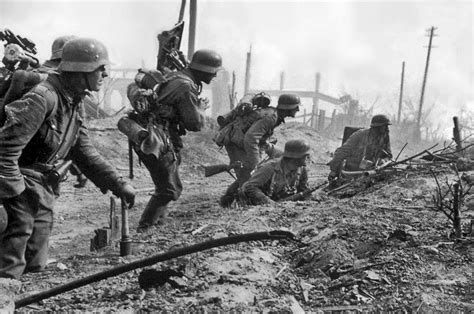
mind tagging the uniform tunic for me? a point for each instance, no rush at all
(361, 144)
(272, 182)
(257, 135)
(41, 129)
(178, 111)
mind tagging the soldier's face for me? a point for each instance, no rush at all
(207, 78)
(292, 112)
(381, 130)
(95, 79)
(302, 162)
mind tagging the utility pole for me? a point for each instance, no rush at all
(418, 121)
(282, 80)
(247, 71)
(192, 27)
(400, 100)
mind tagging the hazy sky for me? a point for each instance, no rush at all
(357, 46)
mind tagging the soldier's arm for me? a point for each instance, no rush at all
(93, 165)
(388, 148)
(188, 108)
(23, 118)
(303, 184)
(348, 148)
(252, 140)
(253, 188)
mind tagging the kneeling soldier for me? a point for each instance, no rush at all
(279, 178)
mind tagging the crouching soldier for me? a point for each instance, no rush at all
(42, 135)
(254, 135)
(364, 149)
(279, 178)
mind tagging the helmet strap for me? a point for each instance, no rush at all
(86, 78)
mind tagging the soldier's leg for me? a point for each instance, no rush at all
(38, 245)
(168, 187)
(235, 154)
(13, 243)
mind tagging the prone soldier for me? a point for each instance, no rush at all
(42, 134)
(279, 178)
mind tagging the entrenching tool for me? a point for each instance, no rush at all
(125, 242)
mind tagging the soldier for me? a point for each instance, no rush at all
(57, 52)
(254, 138)
(364, 149)
(279, 178)
(42, 134)
(177, 109)
(51, 65)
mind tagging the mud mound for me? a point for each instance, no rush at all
(321, 147)
(199, 148)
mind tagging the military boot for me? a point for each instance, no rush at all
(228, 198)
(155, 213)
(226, 201)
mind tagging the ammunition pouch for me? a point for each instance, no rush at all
(51, 174)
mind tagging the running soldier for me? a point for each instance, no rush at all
(176, 109)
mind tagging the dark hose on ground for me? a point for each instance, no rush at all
(247, 237)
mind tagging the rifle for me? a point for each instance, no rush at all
(18, 49)
(215, 169)
(302, 195)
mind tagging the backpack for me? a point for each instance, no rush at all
(238, 122)
(19, 84)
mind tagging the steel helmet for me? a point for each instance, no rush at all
(83, 55)
(58, 44)
(379, 120)
(205, 60)
(288, 101)
(296, 149)
(261, 100)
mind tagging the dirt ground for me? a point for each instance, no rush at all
(382, 249)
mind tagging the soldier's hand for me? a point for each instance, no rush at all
(204, 104)
(332, 176)
(127, 192)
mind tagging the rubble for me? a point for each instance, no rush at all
(382, 249)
